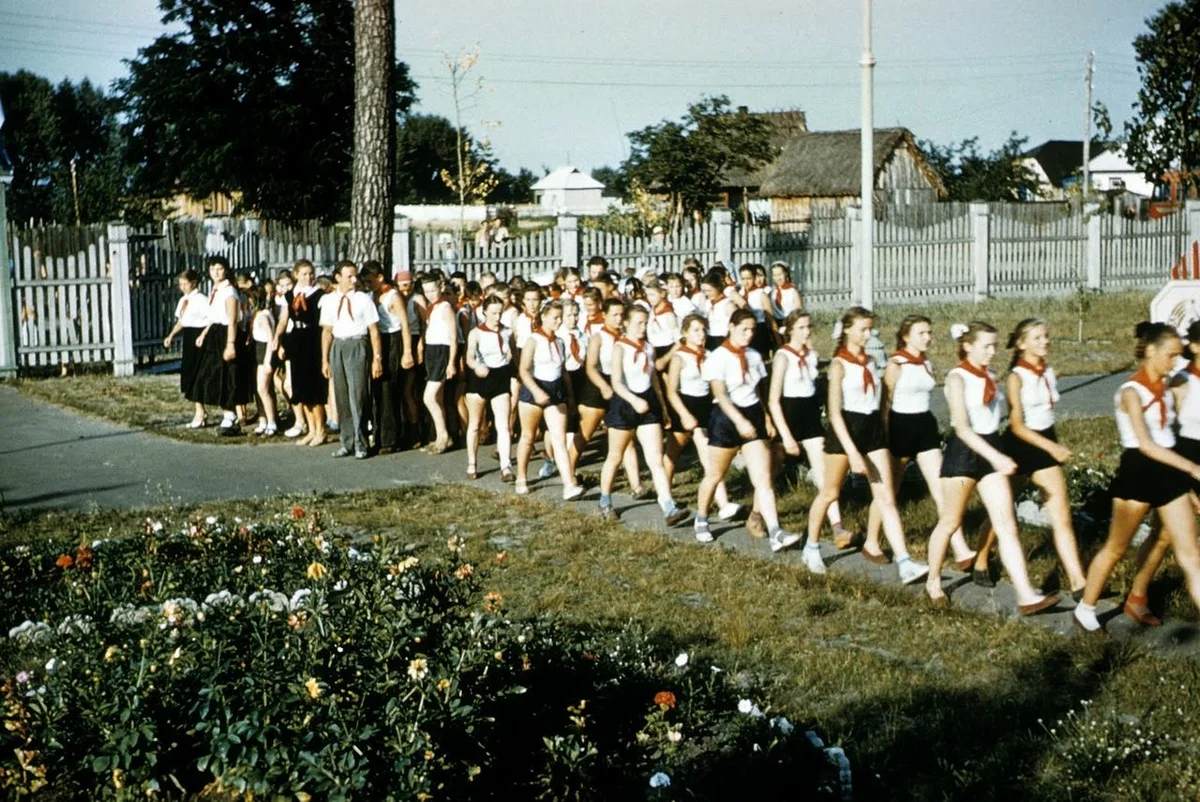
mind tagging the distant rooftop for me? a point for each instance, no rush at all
(568, 178)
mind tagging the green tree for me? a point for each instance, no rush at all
(688, 158)
(250, 96)
(971, 175)
(1163, 133)
(425, 145)
(46, 127)
(513, 188)
(614, 179)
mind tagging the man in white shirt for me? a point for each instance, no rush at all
(348, 318)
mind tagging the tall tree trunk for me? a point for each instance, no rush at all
(374, 131)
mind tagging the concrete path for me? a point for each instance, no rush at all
(53, 458)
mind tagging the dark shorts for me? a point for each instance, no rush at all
(866, 432)
(1140, 478)
(437, 360)
(912, 433)
(661, 350)
(1190, 450)
(722, 433)
(1029, 458)
(960, 461)
(497, 382)
(260, 353)
(588, 394)
(803, 417)
(621, 414)
(700, 407)
(557, 390)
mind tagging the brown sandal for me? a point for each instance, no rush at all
(1138, 608)
(877, 559)
(1037, 607)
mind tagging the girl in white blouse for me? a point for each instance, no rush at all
(718, 307)
(856, 442)
(785, 298)
(219, 378)
(191, 316)
(489, 373)
(974, 460)
(1032, 391)
(757, 299)
(1152, 474)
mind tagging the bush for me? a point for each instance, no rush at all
(277, 657)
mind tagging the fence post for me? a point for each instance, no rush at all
(1091, 221)
(8, 323)
(722, 220)
(854, 215)
(1192, 209)
(568, 241)
(980, 233)
(401, 244)
(122, 312)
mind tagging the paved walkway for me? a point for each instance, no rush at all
(53, 458)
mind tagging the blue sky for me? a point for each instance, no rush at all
(564, 81)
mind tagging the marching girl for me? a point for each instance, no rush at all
(635, 409)
(855, 442)
(191, 316)
(689, 407)
(912, 430)
(758, 300)
(300, 332)
(718, 308)
(489, 373)
(545, 395)
(738, 423)
(794, 406)
(598, 391)
(974, 460)
(663, 329)
(441, 356)
(573, 289)
(675, 294)
(575, 341)
(262, 332)
(219, 376)
(1032, 391)
(1151, 473)
(592, 318)
(786, 297)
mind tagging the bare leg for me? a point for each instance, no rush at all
(618, 441)
(930, 463)
(758, 465)
(651, 438)
(531, 418)
(676, 442)
(715, 468)
(1053, 482)
(501, 413)
(476, 410)
(996, 493)
(836, 466)
(556, 432)
(883, 491)
(433, 403)
(1125, 519)
(956, 490)
(814, 449)
(1179, 522)
(700, 438)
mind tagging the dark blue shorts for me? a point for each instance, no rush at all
(621, 414)
(557, 390)
(722, 433)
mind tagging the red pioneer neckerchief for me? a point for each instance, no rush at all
(989, 384)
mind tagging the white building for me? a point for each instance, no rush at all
(1111, 172)
(568, 191)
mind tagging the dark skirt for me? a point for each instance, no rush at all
(764, 340)
(190, 362)
(557, 390)
(912, 433)
(304, 352)
(1140, 478)
(621, 414)
(437, 362)
(1029, 458)
(1189, 450)
(803, 417)
(218, 382)
(498, 381)
(588, 394)
(700, 407)
(722, 433)
(866, 432)
(960, 460)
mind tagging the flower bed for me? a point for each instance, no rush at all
(276, 658)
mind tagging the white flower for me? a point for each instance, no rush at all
(660, 780)
(749, 708)
(129, 615)
(682, 659)
(782, 724)
(271, 599)
(212, 519)
(222, 598)
(298, 597)
(75, 623)
(29, 630)
(257, 559)
(716, 669)
(340, 585)
(674, 736)
(50, 664)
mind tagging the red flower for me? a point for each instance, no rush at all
(65, 561)
(83, 558)
(297, 512)
(664, 699)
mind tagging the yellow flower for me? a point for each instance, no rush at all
(464, 571)
(499, 655)
(118, 778)
(314, 688)
(492, 601)
(429, 754)
(316, 571)
(418, 669)
(404, 565)
(455, 544)
(501, 557)
(443, 684)
(110, 653)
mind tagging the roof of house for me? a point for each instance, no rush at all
(827, 163)
(1112, 161)
(568, 178)
(783, 125)
(1059, 158)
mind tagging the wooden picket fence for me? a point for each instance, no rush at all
(525, 255)
(662, 254)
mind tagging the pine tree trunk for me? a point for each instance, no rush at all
(374, 131)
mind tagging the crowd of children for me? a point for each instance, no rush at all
(697, 357)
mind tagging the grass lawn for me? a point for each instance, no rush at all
(928, 704)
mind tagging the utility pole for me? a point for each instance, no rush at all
(75, 188)
(867, 62)
(1087, 121)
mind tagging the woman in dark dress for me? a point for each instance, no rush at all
(191, 317)
(302, 347)
(219, 372)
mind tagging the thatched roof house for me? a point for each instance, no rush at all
(818, 171)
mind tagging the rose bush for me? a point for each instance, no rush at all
(278, 658)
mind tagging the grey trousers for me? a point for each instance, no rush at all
(349, 366)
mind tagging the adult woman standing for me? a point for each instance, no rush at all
(219, 374)
(1151, 474)
(974, 460)
(191, 316)
(855, 442)
(302, 348)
